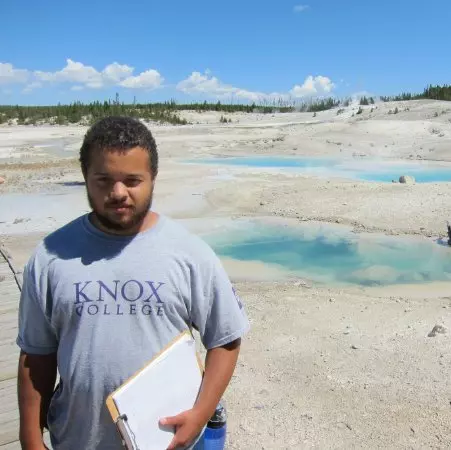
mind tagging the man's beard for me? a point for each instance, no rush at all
(137, 217)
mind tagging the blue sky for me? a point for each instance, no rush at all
(53, 51)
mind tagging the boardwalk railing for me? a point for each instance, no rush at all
(10, 287)
(9, 260)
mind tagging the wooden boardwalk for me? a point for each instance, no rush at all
(9, 352)
(10, 283)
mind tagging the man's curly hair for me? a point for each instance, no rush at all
(118, 133)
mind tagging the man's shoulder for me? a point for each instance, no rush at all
(51, 245)
(186, 240)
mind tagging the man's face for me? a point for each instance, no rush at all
(120, 188)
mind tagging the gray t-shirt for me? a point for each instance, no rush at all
(106, 304)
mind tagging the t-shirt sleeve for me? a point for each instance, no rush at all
(217, 312)
(35, 335)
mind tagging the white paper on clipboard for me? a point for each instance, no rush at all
(167, 386)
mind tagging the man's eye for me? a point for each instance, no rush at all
(132, 182)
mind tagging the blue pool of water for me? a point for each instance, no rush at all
(335, 255)
(363, 169)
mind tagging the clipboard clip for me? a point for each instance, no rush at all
(125, 432)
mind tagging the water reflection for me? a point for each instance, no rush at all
(358, 168)
(335, 255)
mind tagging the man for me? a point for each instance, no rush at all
(107, 291)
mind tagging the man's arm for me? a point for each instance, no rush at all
(35, 384)
(220, 364)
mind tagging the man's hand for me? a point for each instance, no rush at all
(188, 426)
(219, 366)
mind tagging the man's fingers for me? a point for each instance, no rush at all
(169, 421)
(177, 443)
(180, 439)
(172, 421)
(173, 445)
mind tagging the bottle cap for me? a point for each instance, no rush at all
(219, 417)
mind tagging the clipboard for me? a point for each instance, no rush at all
(166, 386)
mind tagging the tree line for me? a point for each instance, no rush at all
(87, 113)
(430, 92)
(168, 112)
(365, 101)
(163, 112)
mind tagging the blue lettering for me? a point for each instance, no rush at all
(147, 310)
(93, 310)
(107, 289)
(130, 291)
(79, 293)
(154, 291)
(141, 290)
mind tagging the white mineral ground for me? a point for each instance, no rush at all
(323, 366)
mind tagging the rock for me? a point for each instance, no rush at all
(406, 179)
(331, 300)
(437, 329)
(354, 347)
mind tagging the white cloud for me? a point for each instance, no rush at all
(117, 72)
(79, 76)
(10, 75)
(198, 83)
(150, 79)
(300, 8)
(74, 72)
(30, 87)
(82, 76)
(313, 86)
(114, 74)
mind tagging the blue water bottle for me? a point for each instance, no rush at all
(215, 434)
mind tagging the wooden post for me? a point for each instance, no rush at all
(8, 258)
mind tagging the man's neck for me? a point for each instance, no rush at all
(149, 221)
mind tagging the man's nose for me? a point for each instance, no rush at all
(119, 190)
